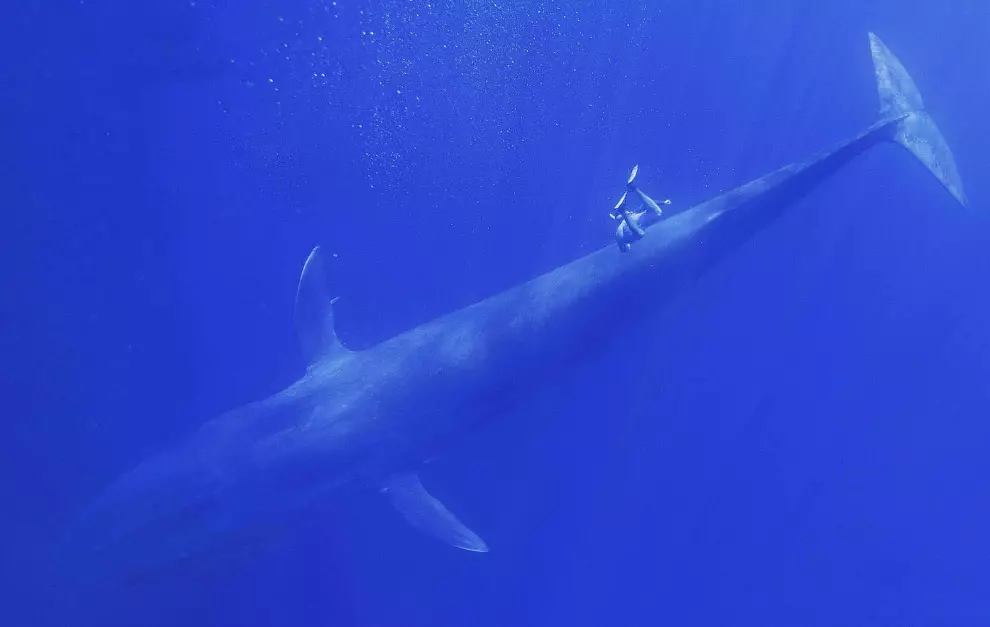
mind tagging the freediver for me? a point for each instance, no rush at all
(631, 218)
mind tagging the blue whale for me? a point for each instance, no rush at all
(371, 418)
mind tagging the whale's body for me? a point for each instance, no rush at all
(370, 418)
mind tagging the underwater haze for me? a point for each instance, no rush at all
(800, 437)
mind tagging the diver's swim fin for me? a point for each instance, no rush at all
(915, 130)
(632, 176)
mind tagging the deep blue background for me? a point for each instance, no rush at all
(807, 439)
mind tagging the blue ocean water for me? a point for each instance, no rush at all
(802, 437)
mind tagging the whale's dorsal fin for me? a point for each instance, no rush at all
(314, 312)
(426, 513)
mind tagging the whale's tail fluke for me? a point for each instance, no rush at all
(916, 131)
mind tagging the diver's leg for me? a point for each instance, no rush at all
(652, 204)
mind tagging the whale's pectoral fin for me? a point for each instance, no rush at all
(427, 514)
(314, 312)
